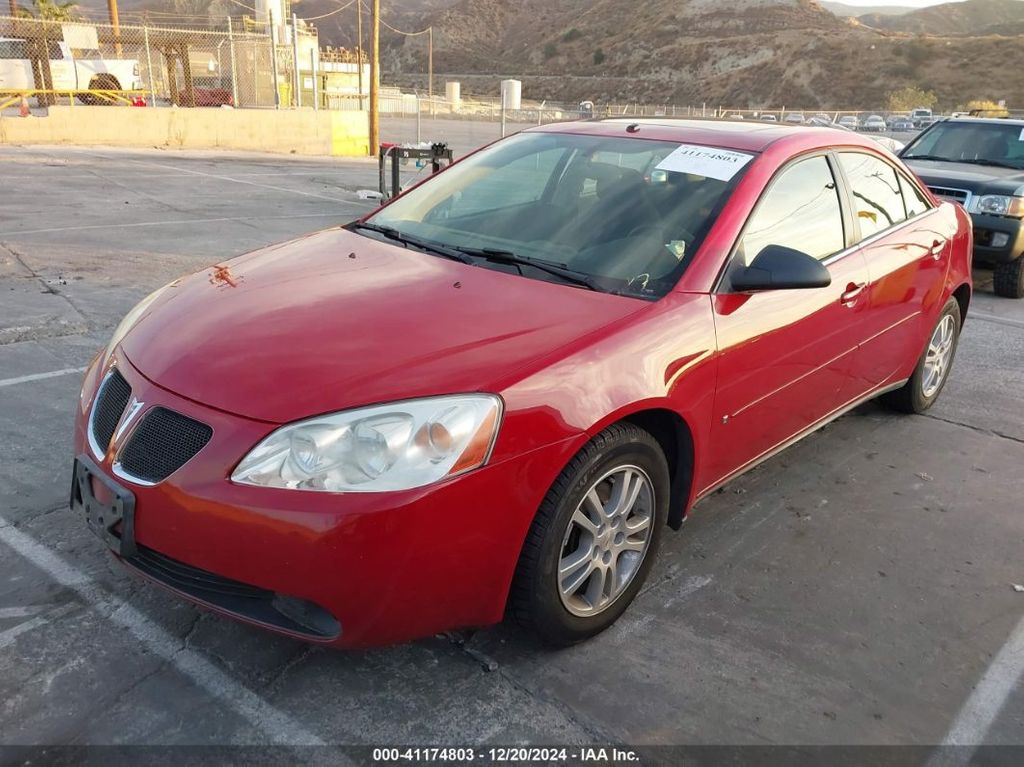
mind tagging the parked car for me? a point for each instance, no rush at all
(95, 73)
(735, 116)
(901, 125)
(472, 402)
(208, 92)
(848, 121)
(921, 117)
(768, 118)
(979, 163)
(795, 118)
(874, 124)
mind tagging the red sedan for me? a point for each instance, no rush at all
(494, 394)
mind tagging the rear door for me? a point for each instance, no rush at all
(904, 241)
(785, 355)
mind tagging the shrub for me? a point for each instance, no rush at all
(572, 34)
(599, 56)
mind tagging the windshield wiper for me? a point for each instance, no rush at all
(991, 163)
(393, 234)
(561, 271)
(926, 157)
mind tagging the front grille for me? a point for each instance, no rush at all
(162, 444)
(962, 196)
(111, 401)
(280, 611)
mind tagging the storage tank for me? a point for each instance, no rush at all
(453, 94)
(512, 94)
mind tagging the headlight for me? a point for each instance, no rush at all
(999, 205)
(130, 319)
(387, 447)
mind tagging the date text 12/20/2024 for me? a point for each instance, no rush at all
(503, 754)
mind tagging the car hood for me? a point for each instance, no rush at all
(337, 320)
(974, 178)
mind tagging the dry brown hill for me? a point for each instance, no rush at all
(973, 17)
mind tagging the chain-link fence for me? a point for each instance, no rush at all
(236, 63)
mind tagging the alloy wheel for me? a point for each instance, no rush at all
(938, 356)
(606, 541)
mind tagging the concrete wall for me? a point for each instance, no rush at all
(294, 131)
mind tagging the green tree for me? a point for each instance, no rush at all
(50, 10)
(910, 97)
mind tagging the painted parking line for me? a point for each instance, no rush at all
(8, 636)
(39, 376)
(981, 709)
(278, 727)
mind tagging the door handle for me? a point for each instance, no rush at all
(853, 290)
(935, 251)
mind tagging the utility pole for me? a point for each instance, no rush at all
(430, 67)
(375, 78)
(359, 47)
(14, 7)
(115, 22)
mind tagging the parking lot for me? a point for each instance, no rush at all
(857, 589)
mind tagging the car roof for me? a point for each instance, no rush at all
(739, 135)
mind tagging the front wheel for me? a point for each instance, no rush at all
(932, 371)
(1008, 278)
(593, 539)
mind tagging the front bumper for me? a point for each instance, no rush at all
(986, 230)
(388, 567)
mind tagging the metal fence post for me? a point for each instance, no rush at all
(234, 69)
(273, 59)
(149, 67)
(295, 60)
(312, 67)
(503, 115)
(418, 119)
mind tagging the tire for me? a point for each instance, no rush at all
(1008, 278)
(920, 392)
(537, 600)
(102, 82)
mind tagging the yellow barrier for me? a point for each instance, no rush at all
(10, 97)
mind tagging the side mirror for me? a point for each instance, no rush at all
(779, 268)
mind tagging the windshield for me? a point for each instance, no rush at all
(619, 211)
(992, 143)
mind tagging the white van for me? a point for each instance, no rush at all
(89, 72)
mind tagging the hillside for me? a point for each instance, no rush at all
(748, 53)
(973, 17)
(843, 10)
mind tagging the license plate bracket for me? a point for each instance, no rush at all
(113, 522)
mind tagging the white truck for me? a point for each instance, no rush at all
(87, 72)
(921, 117)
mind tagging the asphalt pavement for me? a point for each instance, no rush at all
(857, 589)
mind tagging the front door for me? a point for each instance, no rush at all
(785, 355)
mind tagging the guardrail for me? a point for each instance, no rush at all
(12, 97)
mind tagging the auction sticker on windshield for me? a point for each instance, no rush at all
(705, 161)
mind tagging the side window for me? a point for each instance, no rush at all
(914, 200)
(13, 49)
(55, 53)
(877, 201)
(800, 210)
(516, 183)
